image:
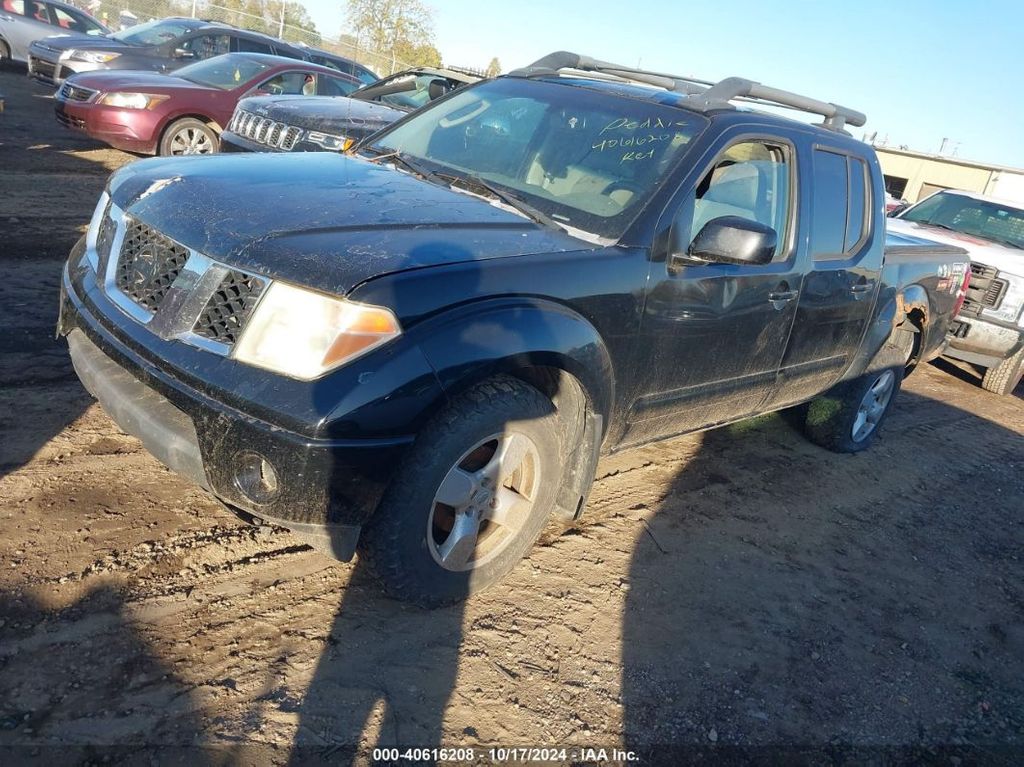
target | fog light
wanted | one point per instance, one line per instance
(256, 477)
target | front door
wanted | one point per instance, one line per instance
(838, 293)
(714, 334)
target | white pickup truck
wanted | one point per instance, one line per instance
(989, 331)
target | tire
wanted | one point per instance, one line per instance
(188, 136)
(1003, 378)
(907, 342)
(424, 550)
(848, 418)
(5, 55)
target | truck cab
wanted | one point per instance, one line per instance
(989, 330)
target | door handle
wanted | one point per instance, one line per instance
(782, 295)
(861, 289)
(5, 17)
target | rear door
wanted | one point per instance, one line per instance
(838, 292)
(713, 334)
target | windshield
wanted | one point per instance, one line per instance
(585, 159)
(152, 32)
(226, 72)
(982, 218)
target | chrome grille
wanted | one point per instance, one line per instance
(70, 92)
(225, 314)
(265, 131)
(149, 262)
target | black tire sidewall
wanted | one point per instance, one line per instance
(164, 148)
(395, 541)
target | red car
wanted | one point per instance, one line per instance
(184, 113)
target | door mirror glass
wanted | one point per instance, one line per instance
(734, 240)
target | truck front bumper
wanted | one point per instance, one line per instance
(982, 341)
(320, 489)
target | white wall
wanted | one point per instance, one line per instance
(1008, 185)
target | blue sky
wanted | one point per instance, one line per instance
(921, 71)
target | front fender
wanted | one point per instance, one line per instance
(482, 339)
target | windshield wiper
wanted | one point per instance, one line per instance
(397, 158)
(506, 197)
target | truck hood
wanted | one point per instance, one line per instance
(340, 116)
(322, 220)
(979, 249)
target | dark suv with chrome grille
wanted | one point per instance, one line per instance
(421, 349)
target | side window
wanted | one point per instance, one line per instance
(208, 46)
(842, 202)
(334, 86)
(290, 84)
(365, 76)
(857, 220)
(66, 20)
(36, 11)
(246, 45)
(751, 180)
(17, 7)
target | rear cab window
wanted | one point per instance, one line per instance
(840, 219)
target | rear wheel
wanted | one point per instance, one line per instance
(188, 136)
(847, 418)
(472, 496)
(1004, 377)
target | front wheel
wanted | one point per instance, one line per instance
(1004, 377)
(472, 496)
(847, 418)
(188, 136)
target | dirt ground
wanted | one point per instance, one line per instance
(737, 588)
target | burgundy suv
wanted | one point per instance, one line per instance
(184, 113)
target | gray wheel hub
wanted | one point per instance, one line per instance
(872, 406)
(484, 501)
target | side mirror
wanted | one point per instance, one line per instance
(733, 240)
(183, 53)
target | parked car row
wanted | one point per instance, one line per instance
(184, 112)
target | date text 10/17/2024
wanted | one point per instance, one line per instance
(502, 754)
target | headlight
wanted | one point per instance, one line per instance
(131, 100)
(1009, 307)
(91, 57)
(303, 334)
(329, 141)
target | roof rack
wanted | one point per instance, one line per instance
(703, 95)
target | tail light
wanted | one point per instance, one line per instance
(961, 293)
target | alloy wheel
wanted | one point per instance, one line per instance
(872, 406)
(191, 141)
(484, 501)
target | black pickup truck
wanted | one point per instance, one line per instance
(421, 349)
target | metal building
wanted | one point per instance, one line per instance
(912, 176)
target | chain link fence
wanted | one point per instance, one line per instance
(272, 20)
